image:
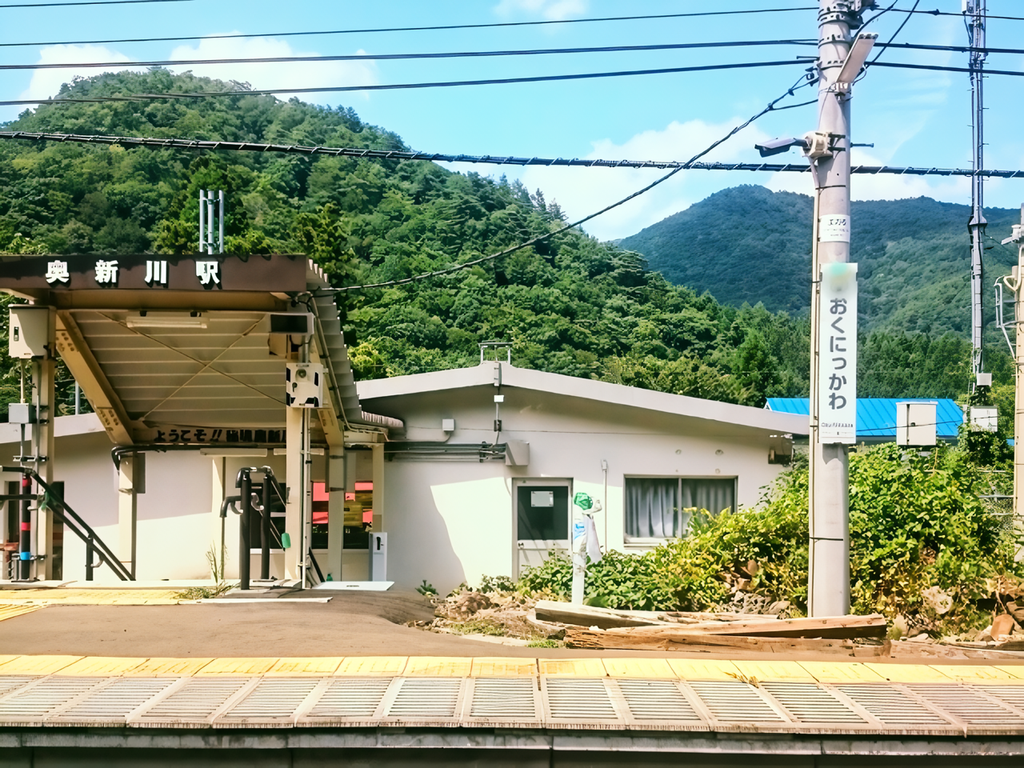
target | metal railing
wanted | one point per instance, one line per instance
(94, 545)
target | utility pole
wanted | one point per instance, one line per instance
(833, 399)
(1013, 282)
(976, 31)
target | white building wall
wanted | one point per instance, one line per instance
(452, 521)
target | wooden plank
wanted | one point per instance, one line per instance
(589, 616)
(673, 639)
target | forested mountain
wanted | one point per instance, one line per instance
(748, 244)
(569, 305)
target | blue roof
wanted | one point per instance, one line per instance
(876, 416)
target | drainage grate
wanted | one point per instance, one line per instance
(426, 698)
(8, 684)
(808, 703)
(966, 705)
(273, 698)
(656, 700)
(38, 701)
(197, 699)
(735, 702)
(1009, 694)
(572, 699)
(508, 699)
(892, 706)
(116, 701)
(352, 697)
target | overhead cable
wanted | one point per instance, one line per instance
(315, 57)
(439, 28)
(88, 2)
(938, 68)
(547, 162)
(398, 86)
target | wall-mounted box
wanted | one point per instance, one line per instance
(31, 329)
(915, 423)
(304, 385)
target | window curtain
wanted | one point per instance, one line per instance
(659, 508)
(652, 509)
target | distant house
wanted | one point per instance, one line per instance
(878, 417)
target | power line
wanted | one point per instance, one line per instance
(937, 68)
(541, 238)
(405, 155)
(89, 2)
(405, 56)
(398, 86)
(952, 13)
(446, 27)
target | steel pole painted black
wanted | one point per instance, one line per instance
(244, 546)
(265, 531)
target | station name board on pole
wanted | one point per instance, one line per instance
(837, 356)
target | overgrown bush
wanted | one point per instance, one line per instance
(623, 581)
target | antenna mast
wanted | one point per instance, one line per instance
(976, 32)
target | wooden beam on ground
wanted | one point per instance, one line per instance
(680, 639)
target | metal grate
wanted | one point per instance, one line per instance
(572, 699)
(426, 698)
(504, 698)
(735, 702)
(116, 701)
(196, 700)
(351, 697)
(40, 700)
(892, 706)
(273, 699)
(657, 700)
(807, 703)
(8, 684)
(966, 705)
(1010, 694)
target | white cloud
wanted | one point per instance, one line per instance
(580, 191)
(46, 83)
(271, 75)
(551, 10)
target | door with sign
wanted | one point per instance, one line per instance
(541, 520)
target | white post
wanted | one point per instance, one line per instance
(202, 220)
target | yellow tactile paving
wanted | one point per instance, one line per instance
(313, 666)
(431, 666)
(640, 669)
(572, 668)
(783, 671)
(236, 666)
(168, 667)
(704, 669)
(91, 596)
(909, 673)
(101, 666)
(1013, 671)
(841, 672)
(500, 667)
(968, 673)
(385, 666)
(37, 665)
(9, 611)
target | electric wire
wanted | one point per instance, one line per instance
(939, 68)
(437, 157)
(937, 12)
(406, 56)
(579, 222)
(439, 28)
(88, 2)
(891, 39)
(399, 86)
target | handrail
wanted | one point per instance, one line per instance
(268, 472)
(74, 522)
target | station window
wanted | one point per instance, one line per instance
(661, 507)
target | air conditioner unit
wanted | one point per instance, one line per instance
(304, 385)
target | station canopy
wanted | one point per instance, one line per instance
(192, 349)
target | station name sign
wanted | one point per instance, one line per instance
(153, 272)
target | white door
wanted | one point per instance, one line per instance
(542, 519)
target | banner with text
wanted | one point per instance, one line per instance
(837, 355)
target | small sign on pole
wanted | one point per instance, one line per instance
(837, 355)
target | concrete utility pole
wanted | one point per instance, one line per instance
(976, 29)
(833, 308)
(1013, 282)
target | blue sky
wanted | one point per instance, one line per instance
(912, 118)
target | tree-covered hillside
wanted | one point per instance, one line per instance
(569, 304)
(747, 244)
